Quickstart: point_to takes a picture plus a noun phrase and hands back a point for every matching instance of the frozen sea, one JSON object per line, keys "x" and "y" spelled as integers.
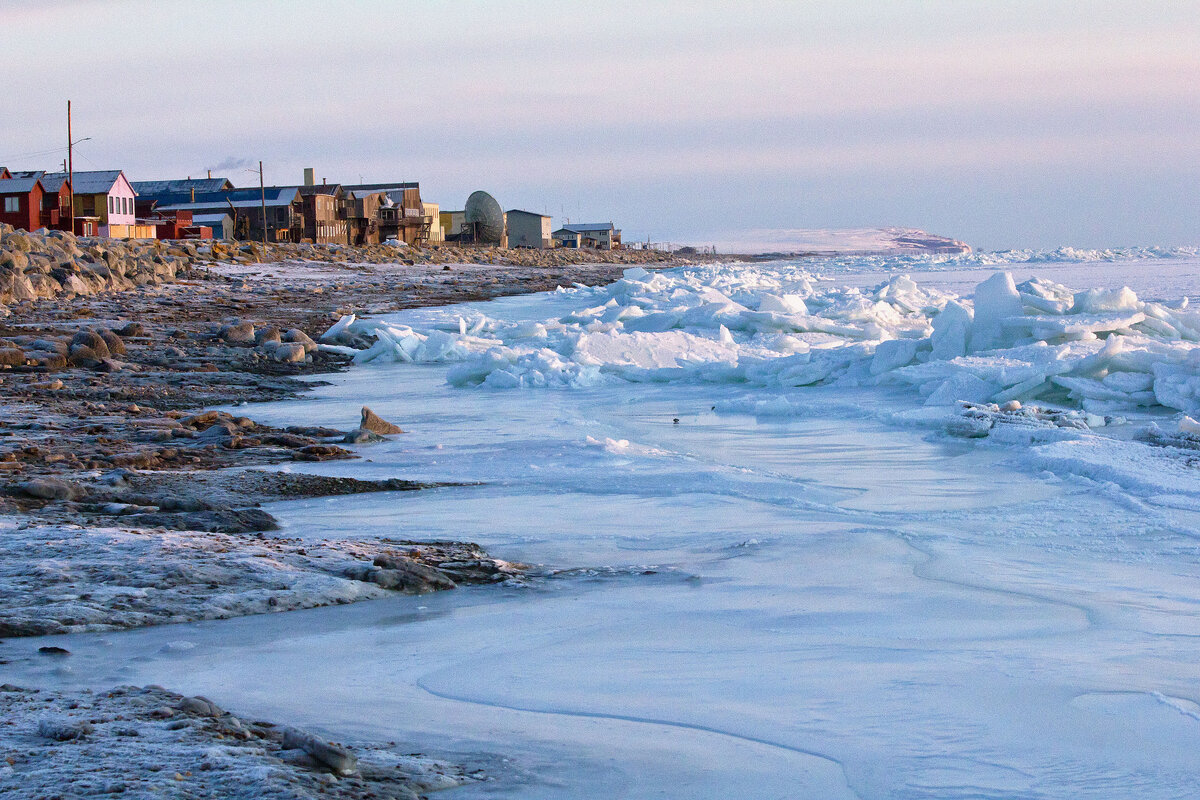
{"x": 840, "y": 601}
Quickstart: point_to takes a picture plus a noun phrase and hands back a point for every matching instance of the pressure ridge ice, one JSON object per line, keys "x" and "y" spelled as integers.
{"x": 778, "y": 325}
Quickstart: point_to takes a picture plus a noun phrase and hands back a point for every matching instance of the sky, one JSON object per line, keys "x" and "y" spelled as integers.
{"x": 1005, "y": 124}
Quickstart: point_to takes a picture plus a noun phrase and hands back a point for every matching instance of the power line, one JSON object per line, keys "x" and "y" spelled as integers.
{"x": 34, "y": 155}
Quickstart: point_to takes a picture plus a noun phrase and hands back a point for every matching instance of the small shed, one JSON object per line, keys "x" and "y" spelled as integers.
{"x": 527, "y": 229}
{"x": 221, "y": 225}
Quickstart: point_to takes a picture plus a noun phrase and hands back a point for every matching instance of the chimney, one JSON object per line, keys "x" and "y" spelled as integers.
{"x": 210, "y": 174}
{"x": 309, "y": 176}
{"x": 324, "y": 181}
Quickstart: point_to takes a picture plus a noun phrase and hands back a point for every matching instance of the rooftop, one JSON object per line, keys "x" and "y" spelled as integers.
{"x": 588, "y": 227}
{"x": 181, "y": 185}
{"x": 17, "y": 185}
{"x": 91, "y": 182}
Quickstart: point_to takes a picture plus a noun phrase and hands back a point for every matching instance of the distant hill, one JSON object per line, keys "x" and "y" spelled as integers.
{"x": 842, "y": 241}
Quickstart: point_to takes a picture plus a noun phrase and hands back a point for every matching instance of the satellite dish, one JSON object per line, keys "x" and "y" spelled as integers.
{"x": 483, "y": 215}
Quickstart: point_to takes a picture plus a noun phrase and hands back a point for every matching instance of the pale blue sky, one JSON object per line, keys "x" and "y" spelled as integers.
{"x": 1007, "y": 124}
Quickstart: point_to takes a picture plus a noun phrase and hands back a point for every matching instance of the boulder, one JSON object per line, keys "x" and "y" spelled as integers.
{"x": 83, "y": 356}
{"x": 51, "y": 489}
{"x": 268, "y": 334}
{"x": 93, "y": 341}
{"x": 375, "y": 424}
{"x": 332, "y": 755}
{"x": 116, "y": 347}
{"x": 237, "y": 333}
{"x": 12, "y": 356}
{"x": 289, "y": 353}
{"x": 300, "y": 337}
{"x": 362, "y": 436}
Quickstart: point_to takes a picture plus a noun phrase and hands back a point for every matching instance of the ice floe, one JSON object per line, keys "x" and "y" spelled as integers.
{"x": 1100, "y": 351}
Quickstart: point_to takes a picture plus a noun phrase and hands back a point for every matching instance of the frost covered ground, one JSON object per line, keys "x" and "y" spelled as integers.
{"x": 147, "y": 742}
{"x": 817, "y": 572}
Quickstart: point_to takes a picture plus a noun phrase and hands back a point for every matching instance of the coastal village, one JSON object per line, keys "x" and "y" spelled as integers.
{"x": 105, "y": 203}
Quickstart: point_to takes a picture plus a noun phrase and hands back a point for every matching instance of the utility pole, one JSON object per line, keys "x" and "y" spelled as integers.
{"x": 263, "y": 188}
{"x": 71, "y": 165}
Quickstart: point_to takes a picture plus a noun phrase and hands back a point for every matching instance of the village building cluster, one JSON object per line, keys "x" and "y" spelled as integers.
{"x": 105, "y": 203}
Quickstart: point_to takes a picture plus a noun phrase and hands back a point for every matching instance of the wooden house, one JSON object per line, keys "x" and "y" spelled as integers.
{"x": 596, "y": 235}
{"x": 21, "y": 202}
{"x": 402, "y": 216}
{"x": 324, "y": 210}
{"x": 54, "y": 209}
{"x": 564, "y": 237}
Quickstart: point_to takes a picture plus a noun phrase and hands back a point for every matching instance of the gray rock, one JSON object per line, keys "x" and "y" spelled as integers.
{"x": 362, "y": 436}
{"x": 63, "y": 729}
{"x": 332, "y": 755}
{"x": 401, "y": 572}
{"x": 84, "y": 356}
{"x": 132, "y": 329}
{"x": 92, "y": 340}
{"x": 200, "y": 706}
{"x": 237, "y": 333}
{"x": 268, "y": 334}
{"x": 244, "y": 520}
{"x": 289, "y": 353}
{"x": 375, "y": 424}
{"x": 297, "y": 336}
{"x": 116, "y": 347}
{"x": 47, "y": 488}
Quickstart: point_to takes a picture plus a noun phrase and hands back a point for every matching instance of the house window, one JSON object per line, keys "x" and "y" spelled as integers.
{"x": 12, "y": 205}
{"x": 112, "y": 208}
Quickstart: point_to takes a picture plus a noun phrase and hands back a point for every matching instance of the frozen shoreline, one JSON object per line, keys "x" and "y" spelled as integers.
{"x": 148, "y": 742}
{"x": 817, "y": 570}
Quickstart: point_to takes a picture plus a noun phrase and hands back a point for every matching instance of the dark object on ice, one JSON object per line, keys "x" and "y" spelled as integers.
{"x": 242, "y": 520}
{"x": 675, "y": 421}
{"x": 375, "y": 424}
{"x": 49, "y": 650}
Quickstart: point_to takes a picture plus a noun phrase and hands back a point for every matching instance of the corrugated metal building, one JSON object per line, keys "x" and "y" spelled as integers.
{"x": 527, "y": 229}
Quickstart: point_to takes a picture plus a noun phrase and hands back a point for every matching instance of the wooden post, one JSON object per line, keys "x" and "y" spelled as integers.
{"x": 71, "y": 166}
{"x": 262, "y": 187}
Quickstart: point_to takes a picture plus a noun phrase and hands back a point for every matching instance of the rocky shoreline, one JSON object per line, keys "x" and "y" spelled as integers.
{"x": 136, "y": 742}
{"x": 40, "y": 266}
{"x": 118, "y": 508}
{"x": 107, "y": 361}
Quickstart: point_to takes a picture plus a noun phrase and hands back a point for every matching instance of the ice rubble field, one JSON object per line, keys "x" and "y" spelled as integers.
{"x": 802, "y": 591}
{"x": 1103, "y": 351}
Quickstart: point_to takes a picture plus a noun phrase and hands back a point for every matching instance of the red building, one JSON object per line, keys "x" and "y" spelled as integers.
{"x": 21, "y": 202}
{"x": 31, "y": 201}
{"x": 56, "y": 202}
